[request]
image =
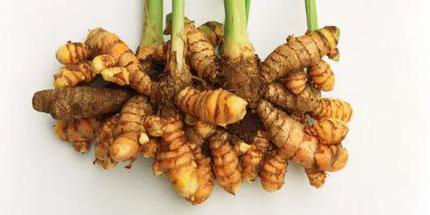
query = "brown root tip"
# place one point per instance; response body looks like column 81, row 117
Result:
column 232, row 192
column 334, row 30
column 41, row 100
column 81, row 147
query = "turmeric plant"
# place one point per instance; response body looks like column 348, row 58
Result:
column 201, row 104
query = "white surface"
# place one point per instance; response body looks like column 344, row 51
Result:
column 384, row 71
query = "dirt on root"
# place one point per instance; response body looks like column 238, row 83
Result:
column 246, row 128
column 241, row 77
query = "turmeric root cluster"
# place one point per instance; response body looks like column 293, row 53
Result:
column 217, row 120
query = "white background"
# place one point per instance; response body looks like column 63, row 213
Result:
column 383, row 72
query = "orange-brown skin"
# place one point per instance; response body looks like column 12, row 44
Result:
column 332, row 108
column 118, row 75
column 202, row 56
column 273, row 170
column 204, row 174
column 104, row 142
column 285, row 132
column 214, row 32
column 157, row 54
column 240, row 147
column 214, row 106
column 154, row 125
column 301, row 52
column 290, row 137
column 204, row 129
column 102, row 62
column 128, row 70
column 149, row 149
column 129, row 131
column 251, row 160
column 80, row 132
column 306, row 101
column 194, row 137
column 225, row 162
column 103, row 42
column 322, row 76
column 331, row 158
column 200, row 132
column 316, row 177
column 74, row 74
column 72, row 53
column 296, row 81
column 176, row 160
column 328, row 131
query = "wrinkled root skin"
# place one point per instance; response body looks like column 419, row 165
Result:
column 241, row 77
column 79, row 102
column 247, row 128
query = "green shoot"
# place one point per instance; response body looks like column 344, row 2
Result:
column 178, row 43
column 247, row 8
column 152, row 35
column 311, row 15
column 236, row 39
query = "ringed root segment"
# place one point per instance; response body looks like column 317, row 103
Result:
column 72, row 53
column 202, row 56
column 176, row 160
column 301, row 52
column 104, row 142
column 225, row 162
column 204, row 174
column 290, row 137
column 252, row 159
column 129, row 131
column 273, row 170
column 129, row 71
column 218, row 107
column 79, row 132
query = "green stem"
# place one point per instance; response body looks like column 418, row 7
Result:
column 236, row 39
column 152, row 35
column 311, row 15
column 247, row 8
column 178, row 43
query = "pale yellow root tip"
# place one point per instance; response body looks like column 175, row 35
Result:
column 102, row 62
column 63, row 55
column 123, row 149
column 335, row 57
column 117, row 75
column 205, row 129
column 186, row 183
column 241, row 147
column 156, row 170
column 237, row 108
column 60, row 83
column 143, row 139
column 234, row 188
